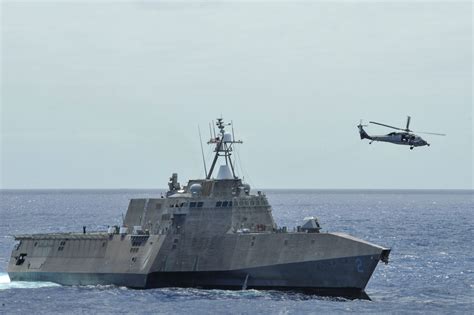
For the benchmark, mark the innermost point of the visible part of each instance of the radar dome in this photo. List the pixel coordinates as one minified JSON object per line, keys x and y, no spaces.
{"x":224,"y":172}
{"x":227,"y":137}
{"x":195,"y":189}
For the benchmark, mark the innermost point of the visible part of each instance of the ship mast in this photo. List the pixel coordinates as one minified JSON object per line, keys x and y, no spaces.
{"x":223,"y":142}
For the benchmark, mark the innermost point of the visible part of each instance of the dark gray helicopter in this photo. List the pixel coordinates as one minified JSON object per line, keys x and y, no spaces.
{"x":405,"y":137}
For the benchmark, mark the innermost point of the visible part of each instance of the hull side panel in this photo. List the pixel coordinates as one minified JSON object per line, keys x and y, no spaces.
{"x":350,"y":272}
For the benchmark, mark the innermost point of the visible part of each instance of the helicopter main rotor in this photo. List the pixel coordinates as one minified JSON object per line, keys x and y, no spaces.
{"x":407,"y":129}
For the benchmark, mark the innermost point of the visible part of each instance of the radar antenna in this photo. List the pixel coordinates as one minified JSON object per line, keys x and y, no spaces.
{"x":202,"y":151}
{"x":223,"y":142}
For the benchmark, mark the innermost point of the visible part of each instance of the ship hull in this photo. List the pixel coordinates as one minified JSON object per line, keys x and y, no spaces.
{"x":333,"y":277}
{"x":200,"y":280}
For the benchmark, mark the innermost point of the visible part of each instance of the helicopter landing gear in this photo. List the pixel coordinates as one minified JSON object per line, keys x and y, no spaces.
{"x":411,"y":148}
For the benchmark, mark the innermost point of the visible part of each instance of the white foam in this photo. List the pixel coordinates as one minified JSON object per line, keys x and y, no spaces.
{"x":4,"y":278}
{"x":6,"y":283}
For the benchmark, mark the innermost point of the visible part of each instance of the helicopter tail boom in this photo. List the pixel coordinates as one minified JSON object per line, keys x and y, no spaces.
{"x":362,"y":133}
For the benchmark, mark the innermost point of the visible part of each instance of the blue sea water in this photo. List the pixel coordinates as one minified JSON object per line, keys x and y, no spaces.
{"x":431,"y":267}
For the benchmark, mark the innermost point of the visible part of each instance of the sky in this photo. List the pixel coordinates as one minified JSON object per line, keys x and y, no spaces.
{"x":110,"y":94}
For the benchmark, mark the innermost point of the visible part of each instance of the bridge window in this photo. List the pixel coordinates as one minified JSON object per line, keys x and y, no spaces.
{"x":218,"y":204}
{"x":192,"y":204}
{"x":225,"y":203}
{"x":230,"y":203}
{"x":200,"y":204}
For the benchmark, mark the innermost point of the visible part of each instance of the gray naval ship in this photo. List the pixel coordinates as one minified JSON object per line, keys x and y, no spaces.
{"x":211,"y":233}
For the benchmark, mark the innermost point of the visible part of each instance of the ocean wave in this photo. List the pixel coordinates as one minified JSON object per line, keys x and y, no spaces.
{"x":6,"y":283}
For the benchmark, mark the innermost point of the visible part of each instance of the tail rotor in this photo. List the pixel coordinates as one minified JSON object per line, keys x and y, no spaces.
{"x":360,"y":124}
{"x":362,"y":133}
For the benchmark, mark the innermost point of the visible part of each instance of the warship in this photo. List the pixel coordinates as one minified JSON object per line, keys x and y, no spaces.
{"x":212,"y":233}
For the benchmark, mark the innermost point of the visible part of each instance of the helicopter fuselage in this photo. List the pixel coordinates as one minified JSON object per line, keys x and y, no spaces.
{"x":402,"y":138}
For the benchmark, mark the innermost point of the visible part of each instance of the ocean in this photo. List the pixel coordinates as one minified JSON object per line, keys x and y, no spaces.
{"x":431,"y":268}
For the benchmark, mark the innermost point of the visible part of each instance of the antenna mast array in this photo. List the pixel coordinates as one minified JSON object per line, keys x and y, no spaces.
{"x":223,"y":142}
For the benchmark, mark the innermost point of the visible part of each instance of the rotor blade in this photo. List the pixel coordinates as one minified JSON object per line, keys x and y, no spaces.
{"x":373,"y":122}
{"x":432,"y":133}
{"x":408,"y":123}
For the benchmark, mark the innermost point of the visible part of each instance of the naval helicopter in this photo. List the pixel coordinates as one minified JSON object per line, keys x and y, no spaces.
{"x":404,"y":137}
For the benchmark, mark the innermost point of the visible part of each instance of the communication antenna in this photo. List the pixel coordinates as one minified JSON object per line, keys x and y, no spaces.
{"x":214,"y":128}
{"x":232,"y":124}
{"x":202,"y":152}
{"x":223,"y":147}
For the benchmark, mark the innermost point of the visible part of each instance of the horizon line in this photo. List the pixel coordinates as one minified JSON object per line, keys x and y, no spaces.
{"x":301,"y":188}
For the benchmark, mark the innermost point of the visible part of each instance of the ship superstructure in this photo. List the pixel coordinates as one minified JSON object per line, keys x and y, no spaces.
{"x":210,"y":233}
